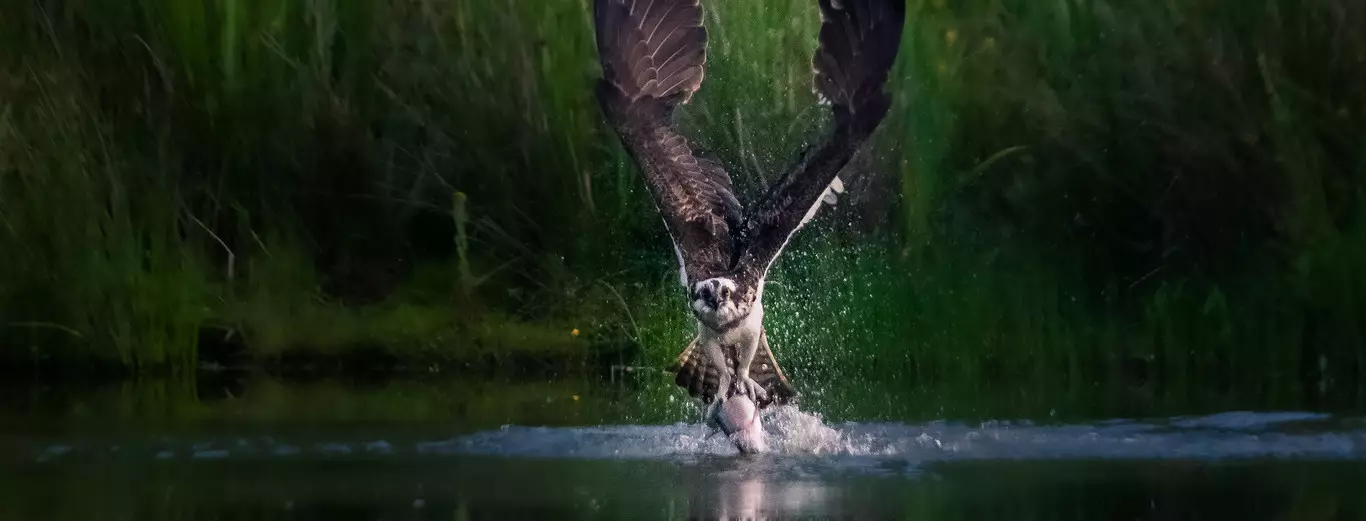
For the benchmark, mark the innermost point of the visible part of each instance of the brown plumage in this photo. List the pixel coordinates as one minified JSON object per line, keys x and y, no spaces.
{"x":858,"y":45}
{"x":652,"y":54}
{"x":653,"y":58}
{"x":694,"y":372}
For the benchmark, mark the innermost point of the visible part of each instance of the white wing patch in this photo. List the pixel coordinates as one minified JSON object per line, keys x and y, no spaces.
{"x":682,"y":270}
{"x":830,"y":197}
{"x":678,"y":254}
{"x":820,"y":98}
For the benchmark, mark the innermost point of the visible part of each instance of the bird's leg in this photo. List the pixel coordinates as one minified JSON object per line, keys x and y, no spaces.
{"x":713,"y":410}
{"x":710,"y":418}
{"x":747,"y":384}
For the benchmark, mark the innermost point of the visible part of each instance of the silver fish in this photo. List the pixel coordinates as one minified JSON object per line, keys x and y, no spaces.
{"x":738,"y":418}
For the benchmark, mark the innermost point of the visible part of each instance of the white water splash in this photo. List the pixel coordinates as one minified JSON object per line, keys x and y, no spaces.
{"x":805,"y":438}
{"x":791,"y":431}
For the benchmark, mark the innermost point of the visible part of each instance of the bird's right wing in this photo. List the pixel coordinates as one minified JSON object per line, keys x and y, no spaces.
{"x":653,"y":55}
{"x":859,"y":40}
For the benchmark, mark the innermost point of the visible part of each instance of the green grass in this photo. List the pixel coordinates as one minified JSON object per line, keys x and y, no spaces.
{"x":1063,"y":190}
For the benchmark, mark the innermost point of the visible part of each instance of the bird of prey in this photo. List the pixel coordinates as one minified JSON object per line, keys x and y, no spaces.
{"x":653,"y":58}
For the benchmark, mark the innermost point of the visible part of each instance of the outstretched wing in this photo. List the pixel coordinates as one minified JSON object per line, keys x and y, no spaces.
{"x":653,"y":54}
{"x":858,"y":45}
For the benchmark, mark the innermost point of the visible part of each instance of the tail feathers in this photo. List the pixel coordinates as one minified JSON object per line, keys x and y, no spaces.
{"x":766,"y":372}
{"x":695,"y":372}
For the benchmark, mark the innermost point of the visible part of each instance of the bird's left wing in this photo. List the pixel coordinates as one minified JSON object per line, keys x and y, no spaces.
{"x":858,"y":45}
{"x":653,"y":54}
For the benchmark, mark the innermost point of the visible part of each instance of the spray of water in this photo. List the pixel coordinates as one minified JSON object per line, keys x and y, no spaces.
{"x":804,"y":442}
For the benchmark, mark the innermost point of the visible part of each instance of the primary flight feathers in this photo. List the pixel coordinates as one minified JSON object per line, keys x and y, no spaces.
{"x":652,"y":54}
{"x":652,"y":48}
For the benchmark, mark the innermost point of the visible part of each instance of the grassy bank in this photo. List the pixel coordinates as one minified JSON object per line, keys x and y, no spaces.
{"x":1075,"y":191}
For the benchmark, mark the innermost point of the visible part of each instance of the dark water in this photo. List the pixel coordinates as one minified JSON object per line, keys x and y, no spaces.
{"x":573,"y":449}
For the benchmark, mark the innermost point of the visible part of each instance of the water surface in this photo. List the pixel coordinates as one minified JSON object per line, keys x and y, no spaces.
{"x":571,"y":449}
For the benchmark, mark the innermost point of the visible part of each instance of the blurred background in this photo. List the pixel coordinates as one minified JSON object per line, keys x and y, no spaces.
{"x":1065,"y":192}
{"x":259,"y":213}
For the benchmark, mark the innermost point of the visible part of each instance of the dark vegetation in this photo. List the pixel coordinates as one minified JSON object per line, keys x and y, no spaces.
{"x":1065,"y":191}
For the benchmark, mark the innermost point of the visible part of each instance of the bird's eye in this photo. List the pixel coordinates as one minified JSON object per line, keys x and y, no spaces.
{"x":725,"y":292}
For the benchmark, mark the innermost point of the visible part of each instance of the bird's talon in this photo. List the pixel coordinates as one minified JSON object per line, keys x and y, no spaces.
{"x":752,"y":389}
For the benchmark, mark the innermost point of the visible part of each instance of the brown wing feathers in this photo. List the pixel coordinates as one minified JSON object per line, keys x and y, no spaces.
{"x":654,"y":48}
{"x":653,"y":54}
{"x":858,"y":45}
{"x":765,"y":371}
{"x":694,"y":372}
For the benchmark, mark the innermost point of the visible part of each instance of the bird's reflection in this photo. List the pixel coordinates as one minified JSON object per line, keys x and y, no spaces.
{"x":739,"y":499}
{"x":748,"y":495}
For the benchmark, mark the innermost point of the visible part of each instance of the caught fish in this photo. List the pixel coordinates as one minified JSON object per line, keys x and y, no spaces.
{"x":738,"y":419}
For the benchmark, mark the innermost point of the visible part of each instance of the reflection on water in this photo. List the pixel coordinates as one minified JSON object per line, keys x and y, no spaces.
{"x":793,"y":433}
{"x":470,"y":487}
{"x":581,"y":450}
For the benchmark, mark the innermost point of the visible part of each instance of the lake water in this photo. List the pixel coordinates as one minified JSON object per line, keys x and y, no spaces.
{"x":460,"y":448}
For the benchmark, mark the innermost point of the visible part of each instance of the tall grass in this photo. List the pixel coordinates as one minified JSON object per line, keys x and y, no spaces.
{"x":1082,"y":190}
{"x":100,"y":255}
{"x":1085,"y":191}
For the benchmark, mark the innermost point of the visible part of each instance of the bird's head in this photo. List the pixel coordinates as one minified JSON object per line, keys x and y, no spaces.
{"x":716,"y":302}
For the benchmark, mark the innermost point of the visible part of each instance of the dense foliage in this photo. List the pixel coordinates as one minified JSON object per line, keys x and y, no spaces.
{"x":1081,"y":189}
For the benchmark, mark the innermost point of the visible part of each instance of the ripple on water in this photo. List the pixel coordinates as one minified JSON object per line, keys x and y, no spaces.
{"x":872,"y":447}
{"x":795,"y":433}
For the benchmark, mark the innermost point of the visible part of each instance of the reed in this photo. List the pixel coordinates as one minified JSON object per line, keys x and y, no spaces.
{"x":1080,"y":190}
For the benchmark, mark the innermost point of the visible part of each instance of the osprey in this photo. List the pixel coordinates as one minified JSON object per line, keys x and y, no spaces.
{"x":653,"y":56}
